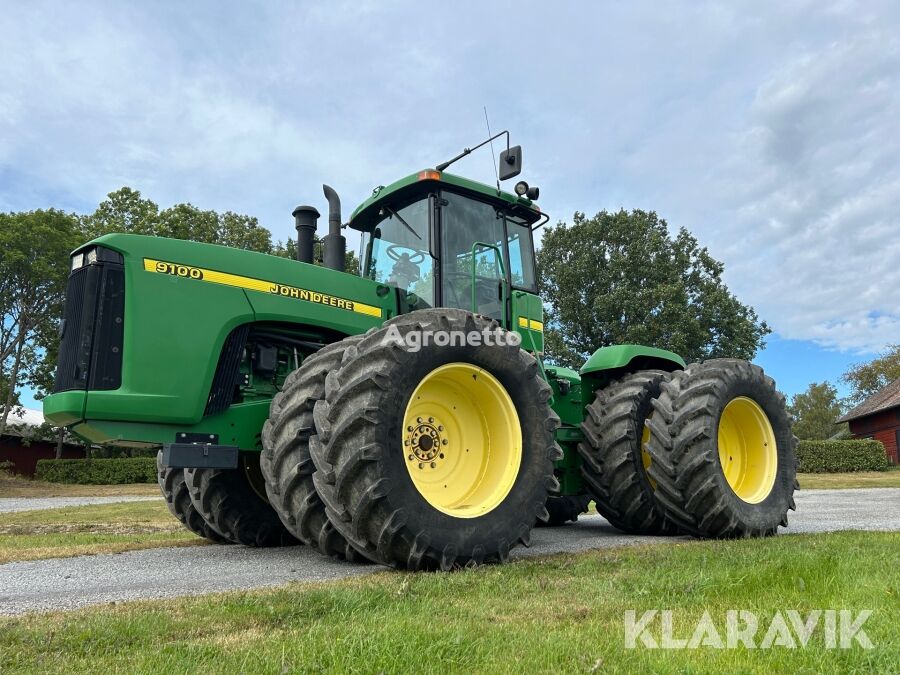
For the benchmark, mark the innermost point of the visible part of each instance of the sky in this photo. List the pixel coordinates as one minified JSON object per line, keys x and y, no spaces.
{"x":770,"y":130}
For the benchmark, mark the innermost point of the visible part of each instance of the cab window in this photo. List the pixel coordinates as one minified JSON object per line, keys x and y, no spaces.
{"x":397,"y":251}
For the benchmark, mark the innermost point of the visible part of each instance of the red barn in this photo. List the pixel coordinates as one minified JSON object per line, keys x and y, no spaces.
{"x":878,"y":417}
{"x":23,"y":446}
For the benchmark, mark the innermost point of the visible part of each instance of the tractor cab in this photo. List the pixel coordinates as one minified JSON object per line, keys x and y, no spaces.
{"x":445,"y":241}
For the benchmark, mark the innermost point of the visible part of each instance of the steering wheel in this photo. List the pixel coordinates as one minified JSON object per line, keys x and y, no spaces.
{"x":395,"y":252}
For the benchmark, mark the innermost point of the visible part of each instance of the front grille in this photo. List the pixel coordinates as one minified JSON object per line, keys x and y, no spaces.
{"x":91,"y":333}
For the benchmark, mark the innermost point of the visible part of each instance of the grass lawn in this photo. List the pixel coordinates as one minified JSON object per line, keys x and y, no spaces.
{"x":859,"y":479}
{"x":80,"y":530}
{"x":557,"y":614}
{"x":17,"y":486}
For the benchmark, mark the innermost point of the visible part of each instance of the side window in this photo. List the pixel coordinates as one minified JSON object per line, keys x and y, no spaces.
{"x":521,"y":258}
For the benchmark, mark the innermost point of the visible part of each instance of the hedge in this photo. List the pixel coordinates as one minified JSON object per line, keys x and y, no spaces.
{"x":98,"y":471}
{"x":841,"y":456}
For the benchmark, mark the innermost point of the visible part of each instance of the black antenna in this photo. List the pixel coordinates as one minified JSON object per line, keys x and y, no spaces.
{"x":493,"y":156}
{"x":466,"y":151}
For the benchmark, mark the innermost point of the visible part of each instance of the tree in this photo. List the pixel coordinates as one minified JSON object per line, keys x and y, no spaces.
{"x":122,"y":211}
{"x":816,"y":412}
{"x":867,"y":378}
{"x":620,"y":278}
{"x":34,"y":266}
{"x":125,"y":210}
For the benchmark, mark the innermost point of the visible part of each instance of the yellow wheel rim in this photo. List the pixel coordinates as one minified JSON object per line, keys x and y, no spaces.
{"x":645,"y":456}
{"x":748,"y":452}
{"x":462,"y":441}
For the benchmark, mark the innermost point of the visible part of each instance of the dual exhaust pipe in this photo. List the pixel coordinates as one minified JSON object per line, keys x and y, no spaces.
{"x":334,"y":244}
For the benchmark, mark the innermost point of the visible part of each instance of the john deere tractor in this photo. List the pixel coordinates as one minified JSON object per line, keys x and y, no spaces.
{"x":403,"y":415}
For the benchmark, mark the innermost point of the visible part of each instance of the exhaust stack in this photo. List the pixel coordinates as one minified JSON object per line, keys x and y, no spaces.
{"x":305,"y":219}
{"x":334,"y":244}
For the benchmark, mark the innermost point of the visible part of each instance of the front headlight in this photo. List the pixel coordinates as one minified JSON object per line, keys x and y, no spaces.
{"x":77,"y":261}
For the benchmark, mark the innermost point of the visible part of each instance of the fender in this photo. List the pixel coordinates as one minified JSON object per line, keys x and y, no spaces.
{"x":618,"y":360}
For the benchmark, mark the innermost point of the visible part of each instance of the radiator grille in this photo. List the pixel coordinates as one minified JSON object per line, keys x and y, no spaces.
{"x":91,"y":333}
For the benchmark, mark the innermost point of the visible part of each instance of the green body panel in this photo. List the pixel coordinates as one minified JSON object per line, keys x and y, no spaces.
{"x":568,"y":404}
{"x":620,"y":356}
{"x":529,"y":307}
{"x":65,"y":408}
{"x":240,"y":425}
{"x":175,"y":326}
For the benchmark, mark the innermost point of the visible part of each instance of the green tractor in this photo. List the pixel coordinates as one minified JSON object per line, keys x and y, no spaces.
{"x":403,"y":415}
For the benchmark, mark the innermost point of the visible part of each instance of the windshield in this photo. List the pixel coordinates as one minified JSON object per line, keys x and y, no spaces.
{"x":478,"y":242}
{"x":398,"y":251}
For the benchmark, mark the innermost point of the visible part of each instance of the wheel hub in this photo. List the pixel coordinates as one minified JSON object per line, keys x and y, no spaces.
{"x":425,"y":441}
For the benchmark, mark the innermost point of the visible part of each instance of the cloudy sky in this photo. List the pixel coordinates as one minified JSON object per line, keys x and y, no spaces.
{"x":770,"y":130}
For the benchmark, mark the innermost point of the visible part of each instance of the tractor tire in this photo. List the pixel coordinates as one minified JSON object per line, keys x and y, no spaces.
{"x":175,"y":492}
{"x":446,"y":507}
{"x":232,"y":501}
{"x":285,"y":460}
{"x":565,"y":509}
{"x":614,"y":458}
{"x":722,"y":451}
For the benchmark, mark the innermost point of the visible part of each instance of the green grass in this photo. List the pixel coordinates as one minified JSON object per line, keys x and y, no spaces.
{"x":557,"y":614}
{"x":81,"y":530}
{"x":859,"y":479}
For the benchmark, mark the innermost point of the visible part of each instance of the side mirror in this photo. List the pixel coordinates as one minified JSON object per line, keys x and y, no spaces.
{"x":511,"y":162}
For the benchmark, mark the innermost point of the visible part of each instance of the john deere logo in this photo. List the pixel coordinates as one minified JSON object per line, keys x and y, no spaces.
{"x":261,"y":285}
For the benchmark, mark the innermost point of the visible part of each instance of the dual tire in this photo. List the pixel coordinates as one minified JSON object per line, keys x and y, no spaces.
{"x":222,"y":506}
{"x":436,"y":457}
{"x":706,"y":451}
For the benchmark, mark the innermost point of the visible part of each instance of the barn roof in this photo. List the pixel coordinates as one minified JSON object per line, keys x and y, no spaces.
{"x":883,"y":399}
{"x":21,"y":418}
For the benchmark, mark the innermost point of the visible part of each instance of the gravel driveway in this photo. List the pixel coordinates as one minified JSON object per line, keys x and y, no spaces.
{"x":12,"y":504}
{"x":67,"y":583}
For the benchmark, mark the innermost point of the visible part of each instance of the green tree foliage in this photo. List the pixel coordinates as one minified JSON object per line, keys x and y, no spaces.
{"x":621,"y":278}
{"x":34,"y":266}
{"x":867,"y":378}
{"x":126,"y":211}
{"x":816,"y":412}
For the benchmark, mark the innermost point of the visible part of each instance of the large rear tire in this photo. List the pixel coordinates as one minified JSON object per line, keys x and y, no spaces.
{"x":285,"y":460}
{"x":233,"y":502}
{"x":439,"y":457}
{"x":614,"y":458}
{"x":722,"y":451}
{"x":178,"y":499}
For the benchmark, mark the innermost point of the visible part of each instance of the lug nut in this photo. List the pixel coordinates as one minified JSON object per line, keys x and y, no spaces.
{"x":444,"y":442}
{"x":411,"y":458}
{"x":409,"y":428}
{"x":433,"y":465}
{"x":419,"y":420}
{"x":430,"y":420}
{"x":440,"y":428}
{"x":421,"y":465}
